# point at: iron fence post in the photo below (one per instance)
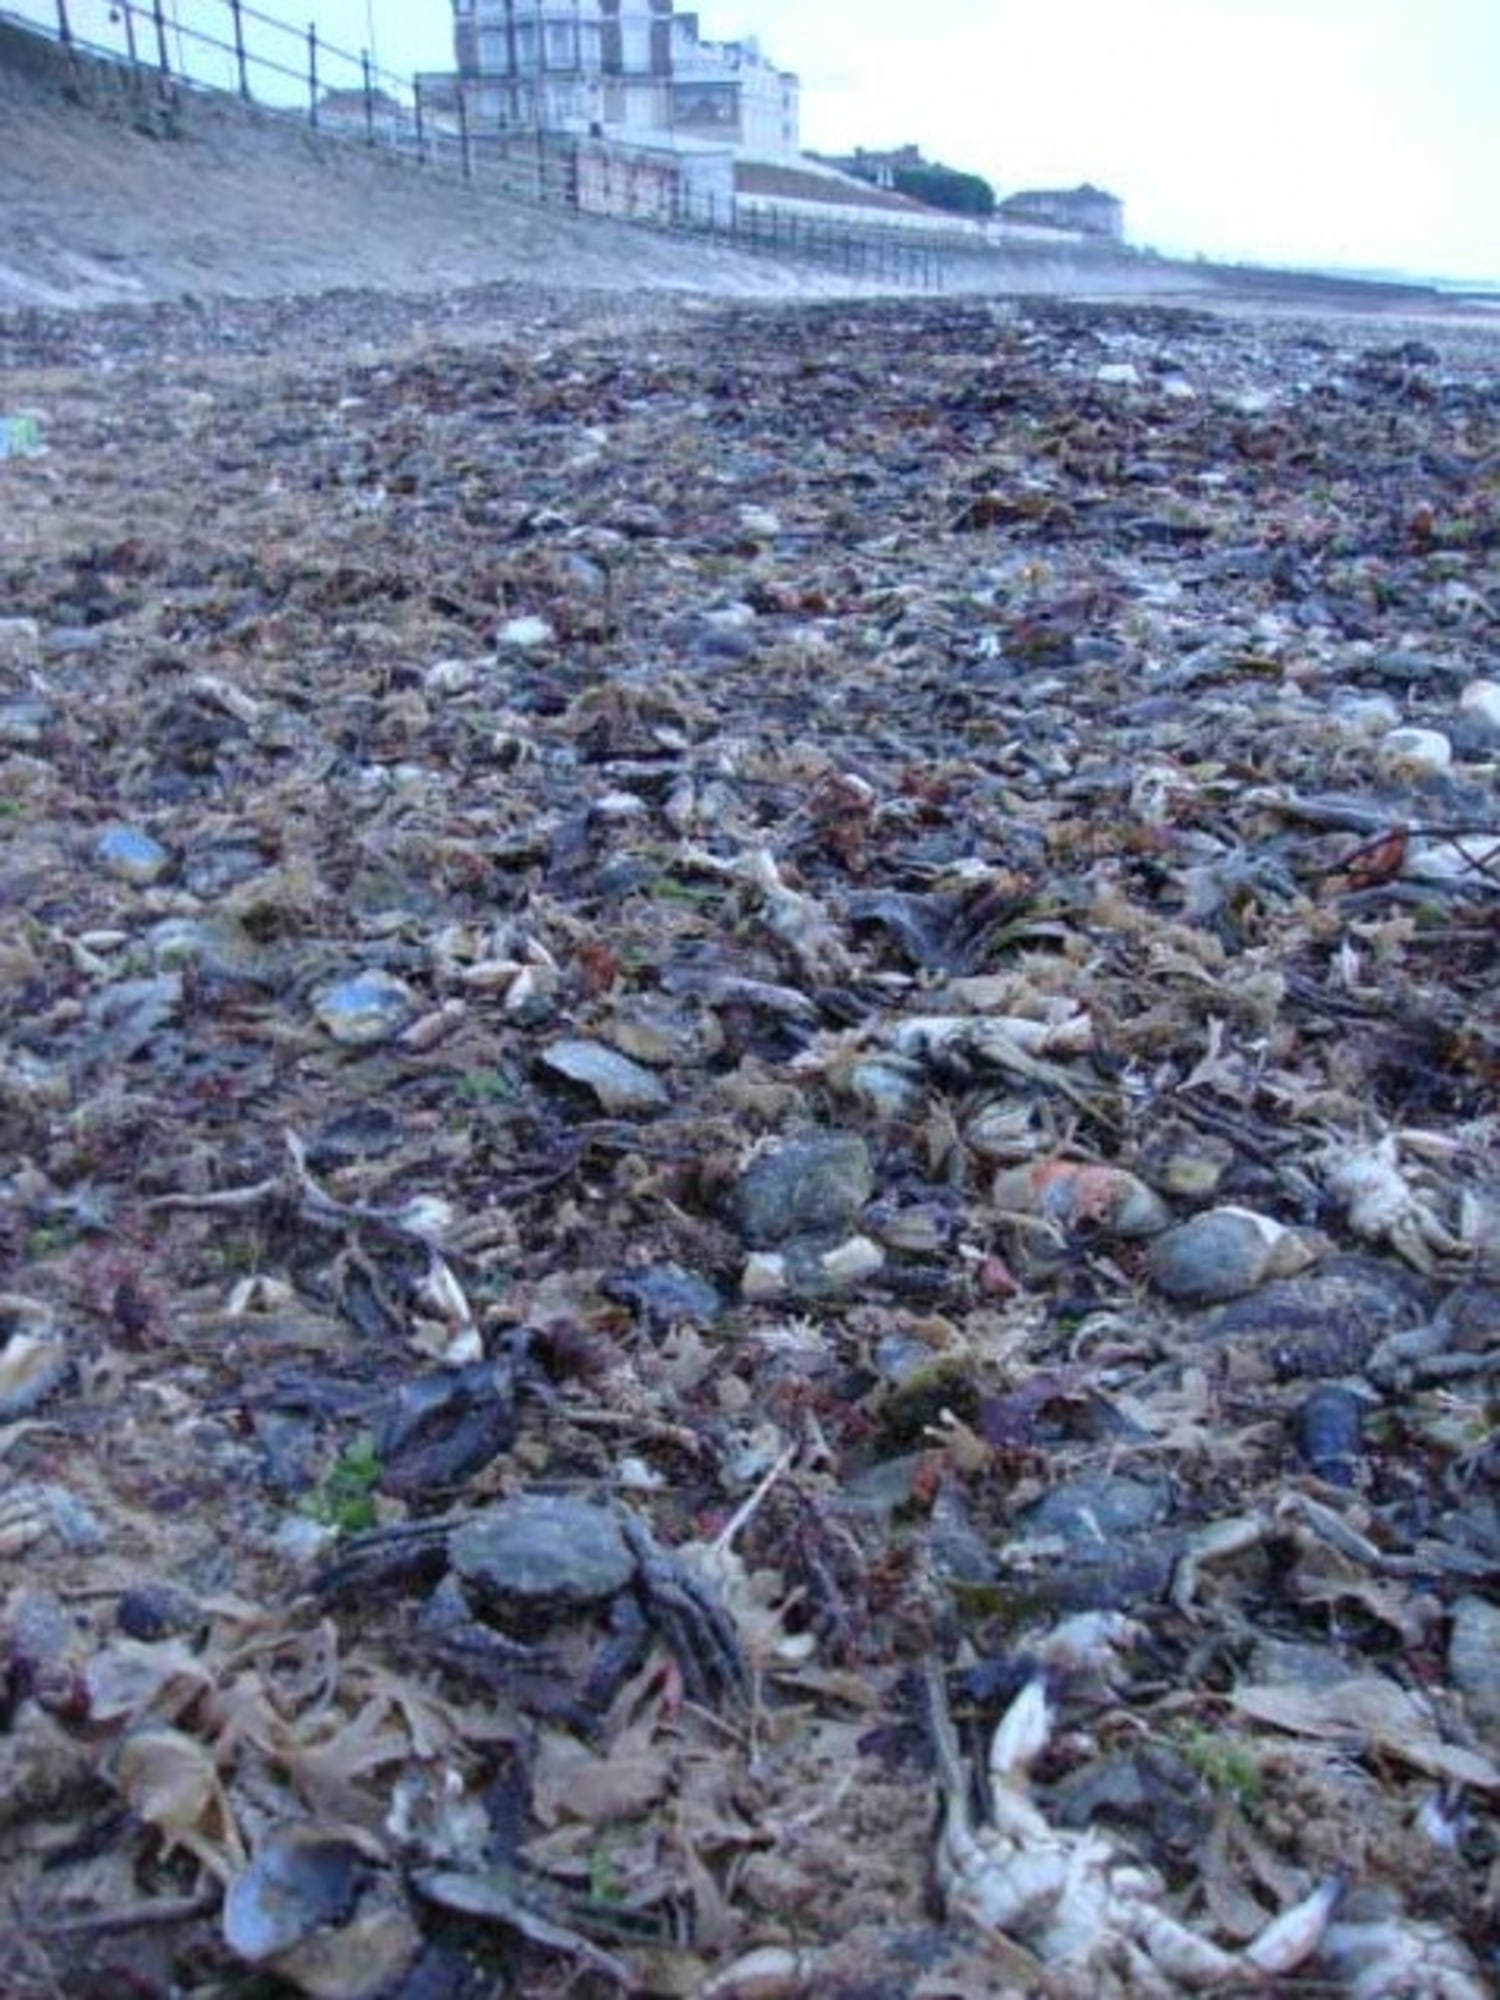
(161, 38)
(416, 105)
(463, 132)
(364, 71)
(312, 74)
(130, 48)
(239, 48)
(64, 26)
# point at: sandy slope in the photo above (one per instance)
(108, 195)
(94, 207)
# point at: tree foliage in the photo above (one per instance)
(945, 187)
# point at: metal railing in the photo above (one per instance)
(294, 67)
(343, 94)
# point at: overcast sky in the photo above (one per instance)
(1361, 133)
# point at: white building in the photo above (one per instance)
(631, 69)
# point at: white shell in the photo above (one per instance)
(1415, 753)
(526, 632)
(34, 1360)
(1481, 699)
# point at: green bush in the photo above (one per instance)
(945, 187)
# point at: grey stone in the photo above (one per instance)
(804, 1187)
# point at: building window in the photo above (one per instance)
(562, 45)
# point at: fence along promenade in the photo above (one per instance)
(344, 95)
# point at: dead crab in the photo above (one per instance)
(1304, 1524)
(1383, 1205)
(522, 1565)
(1091, 1913)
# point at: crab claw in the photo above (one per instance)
(1020, 1736)
(1297, 1932)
